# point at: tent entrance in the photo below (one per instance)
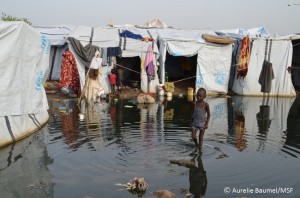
(182, 71)
(296, 65)
(131, 67)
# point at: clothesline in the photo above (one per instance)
(188, 77)
(296, 44)
(128, 68)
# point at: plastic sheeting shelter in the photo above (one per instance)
(281, 53)
(23, 64)
(280, 57)
(57, 37)
(109, 37)
(213, 63)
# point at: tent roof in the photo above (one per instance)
(56, 34)
(183, 35)
(106, 36)
(252, 32)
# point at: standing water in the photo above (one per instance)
(251, 149)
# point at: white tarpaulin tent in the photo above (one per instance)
(23, 64)
(57, 36)
(281, 52)
(213, 63)
(109, 37)
(280, 57)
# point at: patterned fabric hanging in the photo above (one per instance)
(69, 77)
(242, 69)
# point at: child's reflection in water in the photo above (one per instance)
(197, 178)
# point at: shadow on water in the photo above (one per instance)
(293, 128)
(251, 142)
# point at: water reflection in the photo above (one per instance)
(24, 168)
(119, 139)
(263, 121)
(242, 122)
(197, 178)
(256, 118)
(293, 125)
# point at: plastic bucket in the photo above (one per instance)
(160, 90)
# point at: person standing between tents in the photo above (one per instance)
(200, 117)
(113, 80)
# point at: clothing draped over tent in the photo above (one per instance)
(85, 53)
(235, 56)
(108, 55)
(149, 64)
(266, 75)
(244, 58)
(69, 77)
(129, 34)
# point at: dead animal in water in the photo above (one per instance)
(184, 163)
(163, 194)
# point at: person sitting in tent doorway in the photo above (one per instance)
(113, 80)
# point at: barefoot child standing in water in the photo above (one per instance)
(200, 117)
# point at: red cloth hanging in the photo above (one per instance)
(242, 69)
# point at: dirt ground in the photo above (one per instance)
(181, 88)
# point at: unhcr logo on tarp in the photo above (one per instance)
(199, 80)
(39, 80)
(220, 77)
(45, 44)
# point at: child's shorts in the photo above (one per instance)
(197, 128)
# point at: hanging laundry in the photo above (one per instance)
(266, 76)
(112, 52)
(85, 53)
(129, 34)
(244, 58)
(104, 56)
(147, 39)
(107, 54)
(149, 64)
(69, 77)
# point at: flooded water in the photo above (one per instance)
(251, 149)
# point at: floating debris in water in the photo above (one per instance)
(128, 106)
(36, 187)
(136, 186)
(222, 155)
(217, 148)
(164, 194)
(81, 116)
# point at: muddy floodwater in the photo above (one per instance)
(251, 149)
